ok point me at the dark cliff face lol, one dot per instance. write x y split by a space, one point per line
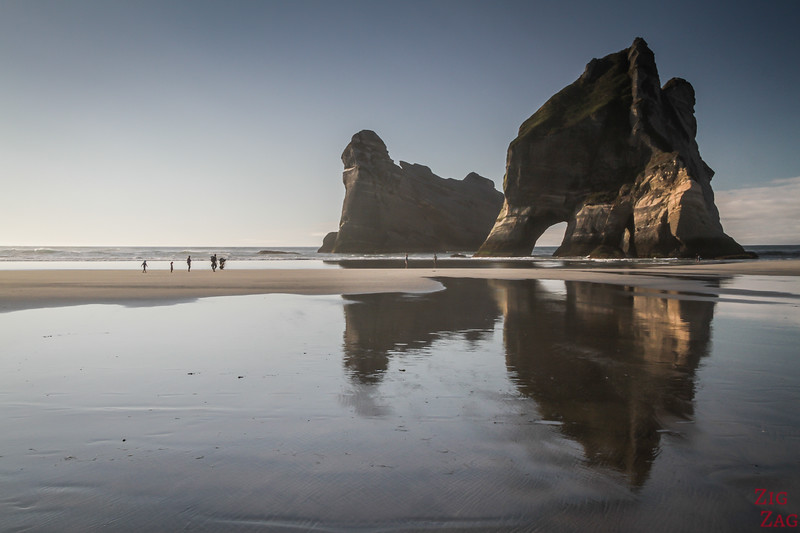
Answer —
613 155
407 208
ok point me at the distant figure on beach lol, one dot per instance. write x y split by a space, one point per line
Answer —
434 259
214 263
171 267
222 263
144 266
189 262
406 262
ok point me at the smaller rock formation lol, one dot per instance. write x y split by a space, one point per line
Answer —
408 208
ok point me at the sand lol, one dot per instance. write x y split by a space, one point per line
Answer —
26 289
490 406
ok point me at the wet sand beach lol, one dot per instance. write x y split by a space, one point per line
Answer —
20 289
549 399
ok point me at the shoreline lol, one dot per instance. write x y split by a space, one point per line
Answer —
29 289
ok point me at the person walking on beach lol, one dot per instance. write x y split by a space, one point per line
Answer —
406 261
189 262
214 263
170 267
222 263
434 259
144 266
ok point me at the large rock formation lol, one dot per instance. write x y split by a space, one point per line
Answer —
614 155
407 208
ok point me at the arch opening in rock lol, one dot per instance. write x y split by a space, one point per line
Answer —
552 236
628 244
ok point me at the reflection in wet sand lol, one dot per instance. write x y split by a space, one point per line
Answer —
514 406
377 324
611 367
611 364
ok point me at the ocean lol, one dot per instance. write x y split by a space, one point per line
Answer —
126 257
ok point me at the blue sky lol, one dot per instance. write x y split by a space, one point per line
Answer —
222 123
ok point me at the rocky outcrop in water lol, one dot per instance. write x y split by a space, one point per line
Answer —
614 155
408 208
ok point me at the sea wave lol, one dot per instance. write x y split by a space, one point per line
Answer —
542 255
778 254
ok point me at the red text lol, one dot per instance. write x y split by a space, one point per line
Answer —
770 519
771 498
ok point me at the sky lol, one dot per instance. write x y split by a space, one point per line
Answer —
203 123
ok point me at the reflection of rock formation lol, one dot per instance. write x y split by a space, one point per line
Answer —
377 324
609 363
613 365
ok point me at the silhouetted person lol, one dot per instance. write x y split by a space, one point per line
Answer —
434 259
222 263
214 263
171 268
144 266
406 262
189 262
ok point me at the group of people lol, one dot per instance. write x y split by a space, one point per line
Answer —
214 262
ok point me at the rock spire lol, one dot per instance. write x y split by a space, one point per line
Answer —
408 208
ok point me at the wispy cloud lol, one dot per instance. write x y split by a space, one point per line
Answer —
762 215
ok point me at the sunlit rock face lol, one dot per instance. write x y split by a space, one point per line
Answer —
408 208
614 155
